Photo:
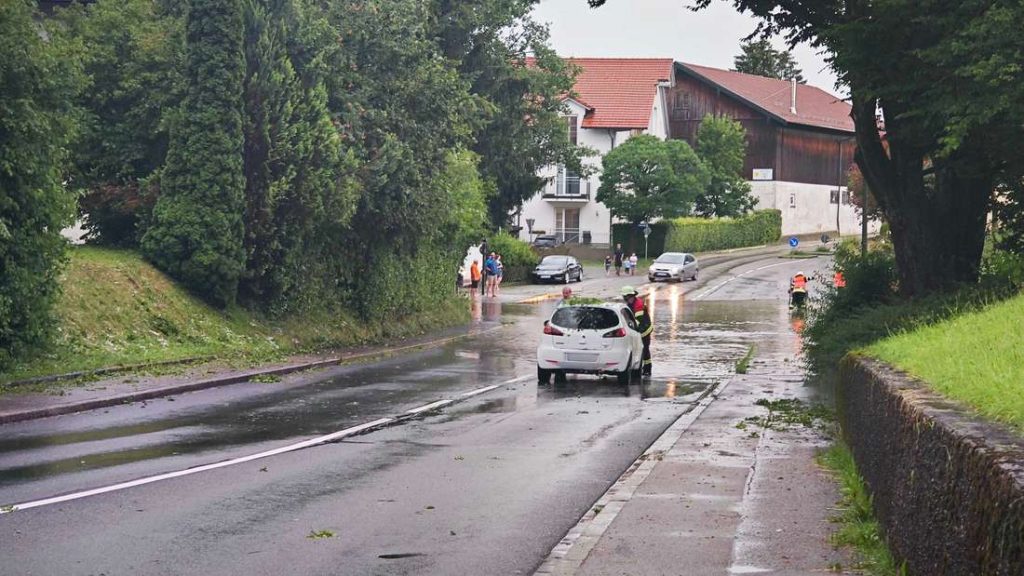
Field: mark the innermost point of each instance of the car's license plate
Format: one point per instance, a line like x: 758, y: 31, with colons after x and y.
x: 545, y: 277
x: 580, y: 357
x: 661, y: 273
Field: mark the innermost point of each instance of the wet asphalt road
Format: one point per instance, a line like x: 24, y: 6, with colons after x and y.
x: 486, y: 486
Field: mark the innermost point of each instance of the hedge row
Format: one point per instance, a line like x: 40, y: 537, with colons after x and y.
x: 703, y: 234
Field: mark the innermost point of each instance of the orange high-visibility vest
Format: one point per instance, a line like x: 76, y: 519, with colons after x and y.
x: 799, y: 282
x: 838, y: 281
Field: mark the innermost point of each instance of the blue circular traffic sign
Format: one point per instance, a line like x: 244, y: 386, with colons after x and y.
x: 793, y: 242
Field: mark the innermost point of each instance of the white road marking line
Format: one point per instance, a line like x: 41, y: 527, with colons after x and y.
x: 713, y: 289
x: 241, y: 460
x: 431, y: 406
x: 188, y: 471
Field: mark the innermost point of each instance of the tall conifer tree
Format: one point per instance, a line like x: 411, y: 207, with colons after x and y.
x: 197, y: 228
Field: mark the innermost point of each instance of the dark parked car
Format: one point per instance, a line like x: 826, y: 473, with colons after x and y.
x: 546, y: 241
x: 558, y: 268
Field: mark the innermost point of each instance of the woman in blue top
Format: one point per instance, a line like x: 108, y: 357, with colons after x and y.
x: 491, y: 266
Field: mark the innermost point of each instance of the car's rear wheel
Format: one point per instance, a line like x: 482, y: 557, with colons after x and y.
x: 543, y: 376
x: 626, y: 376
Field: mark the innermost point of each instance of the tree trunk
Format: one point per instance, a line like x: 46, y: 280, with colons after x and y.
x: 938, y: 219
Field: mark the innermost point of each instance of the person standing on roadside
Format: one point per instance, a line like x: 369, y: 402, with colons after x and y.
x: 618, y: 259
x: 566, y: 297
x: 607, y: 265
x: 501, y: 274
x: 474, y: 277
x: 484, y: 251
x: 490, y: 275
x: 633, y: 261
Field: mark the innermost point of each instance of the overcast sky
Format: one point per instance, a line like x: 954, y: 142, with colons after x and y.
x: 663, y: 29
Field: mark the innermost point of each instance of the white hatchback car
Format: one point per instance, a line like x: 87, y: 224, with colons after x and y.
x: 590, y: 339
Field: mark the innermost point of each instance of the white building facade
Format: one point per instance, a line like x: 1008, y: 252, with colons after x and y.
x: 615, y: 98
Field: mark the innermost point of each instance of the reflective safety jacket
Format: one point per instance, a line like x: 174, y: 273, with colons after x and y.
x: 838, y: 281
x: 643, y: 317
x: 799, y: 283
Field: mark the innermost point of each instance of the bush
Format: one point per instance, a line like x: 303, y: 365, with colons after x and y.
x: 702, y: 235
x: 516, y: 255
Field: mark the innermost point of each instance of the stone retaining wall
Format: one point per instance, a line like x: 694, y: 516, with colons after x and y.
x: 948, y: 487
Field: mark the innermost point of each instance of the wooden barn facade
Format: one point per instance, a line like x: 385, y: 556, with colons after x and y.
x: 800, y: 141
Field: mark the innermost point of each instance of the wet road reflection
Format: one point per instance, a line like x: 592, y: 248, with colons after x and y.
x: 695, y: 345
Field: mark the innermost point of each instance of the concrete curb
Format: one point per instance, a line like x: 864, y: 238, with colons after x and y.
x: 105, y: 371
x: 128, y: 398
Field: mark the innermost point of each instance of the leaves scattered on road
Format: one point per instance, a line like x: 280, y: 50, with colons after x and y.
x: 319, y: 534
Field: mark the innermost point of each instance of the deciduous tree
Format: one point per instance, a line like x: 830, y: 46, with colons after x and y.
x: 722, y: 146
x: 38, y: 84
x: 648, y: 178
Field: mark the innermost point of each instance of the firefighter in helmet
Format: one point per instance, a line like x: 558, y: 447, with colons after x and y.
x: 644, y: 323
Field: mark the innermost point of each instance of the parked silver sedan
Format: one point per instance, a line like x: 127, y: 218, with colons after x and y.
x: 674, y: 266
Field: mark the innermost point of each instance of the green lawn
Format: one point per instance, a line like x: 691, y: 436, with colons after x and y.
x: 976, y: 358
x: 117, y: 309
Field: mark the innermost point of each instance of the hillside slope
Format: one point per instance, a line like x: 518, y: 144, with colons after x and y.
x: 117, y: 309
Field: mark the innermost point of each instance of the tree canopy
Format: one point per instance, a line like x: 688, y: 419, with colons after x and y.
x: 647, y: 178
x: 40, y: 81
x: 722, y: 147
x: 757, y: 56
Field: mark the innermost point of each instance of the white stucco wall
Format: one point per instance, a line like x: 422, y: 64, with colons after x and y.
x: 807, y: 208
x: 594, y: 216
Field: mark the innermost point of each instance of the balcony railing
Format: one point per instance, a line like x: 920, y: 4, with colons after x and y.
x: 567, y: 187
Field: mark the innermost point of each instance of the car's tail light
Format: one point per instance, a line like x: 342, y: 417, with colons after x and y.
x: 552, y: 331
x: 617, y: 333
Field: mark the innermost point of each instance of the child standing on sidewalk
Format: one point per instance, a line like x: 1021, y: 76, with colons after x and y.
x: 607, y: 265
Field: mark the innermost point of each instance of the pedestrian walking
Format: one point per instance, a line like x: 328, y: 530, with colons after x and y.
x: 618, y: 259
x: 626, y: 266
x: 633, y: 261
x: 607, y: 265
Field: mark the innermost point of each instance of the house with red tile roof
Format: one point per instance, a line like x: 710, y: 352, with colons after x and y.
x: 799, y: 141
x: 613, y: 99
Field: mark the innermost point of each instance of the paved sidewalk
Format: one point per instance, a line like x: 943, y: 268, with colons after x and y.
x: 711, y: 498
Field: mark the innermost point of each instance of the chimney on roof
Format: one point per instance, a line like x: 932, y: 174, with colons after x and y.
x: 792, y: 99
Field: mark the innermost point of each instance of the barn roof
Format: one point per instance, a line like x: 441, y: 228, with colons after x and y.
x: 814, y: 106
x: 620, y: 91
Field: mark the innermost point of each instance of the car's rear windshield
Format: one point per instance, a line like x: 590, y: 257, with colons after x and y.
x: 554, y: 261
x: 585, y: 318
x: 670, y: 259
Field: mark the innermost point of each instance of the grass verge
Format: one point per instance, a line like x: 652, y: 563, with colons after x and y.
x: 743, y: 364
x: 976, y: 358
x: 116, y: 309
x: 858, y: 528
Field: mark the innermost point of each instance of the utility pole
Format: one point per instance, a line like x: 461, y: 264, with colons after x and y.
x: 864, y: 223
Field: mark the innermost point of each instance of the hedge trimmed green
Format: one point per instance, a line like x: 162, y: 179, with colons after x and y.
x: 704, y: 234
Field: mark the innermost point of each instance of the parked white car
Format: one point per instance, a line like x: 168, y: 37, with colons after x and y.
x: 590, y: 339
x: 674, y: 266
